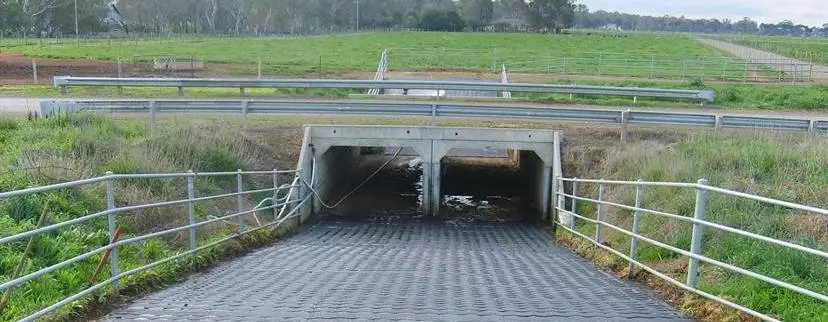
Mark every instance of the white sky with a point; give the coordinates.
(808, 12)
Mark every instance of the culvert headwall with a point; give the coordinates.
(427, 168)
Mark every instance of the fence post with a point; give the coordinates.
(34, 71)
(191, 217)
(240, 200)
(259, 67)
(636, 229)
(564, 65)
(696, 242)
(600, 59)
(275, 194)
(113, 227)
(574, 206)
(120, 74)
(625, 118)
(494, 62)
(652, 66)
(599, 217)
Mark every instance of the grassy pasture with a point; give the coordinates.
(410, 51)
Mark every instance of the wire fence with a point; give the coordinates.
(607, 64)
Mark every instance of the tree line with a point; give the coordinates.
(586, 19)
(268, 17)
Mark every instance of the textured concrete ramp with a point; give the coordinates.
(405, 270)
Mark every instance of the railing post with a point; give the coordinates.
(574, 201)
(636, 229)
(696, 242)
(812, 126)
(275, 194)
(113, 227)
(191, 217)
(240, 199)
(599, 217)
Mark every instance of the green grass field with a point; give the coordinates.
(410, 51)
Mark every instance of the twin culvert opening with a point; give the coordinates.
(431, 172)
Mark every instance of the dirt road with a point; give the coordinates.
(802, 70)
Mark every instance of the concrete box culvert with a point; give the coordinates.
(342, 157)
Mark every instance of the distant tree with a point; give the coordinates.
(436, 20)
(11, 17)
(477, 13)
(550, 15)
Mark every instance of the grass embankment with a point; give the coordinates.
(410, 51)
(791, 168)
(87, 145)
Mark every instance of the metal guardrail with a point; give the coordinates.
(63, 82)
(287, 202)
(566, 219)
(621, 118)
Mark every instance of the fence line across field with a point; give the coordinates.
(394, 109)
(567, 217)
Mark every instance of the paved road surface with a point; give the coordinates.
(771, 60)
(408, 270)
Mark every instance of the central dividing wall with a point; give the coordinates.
(331, 153)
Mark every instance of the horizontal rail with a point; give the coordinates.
(772, 201)
(700, 95)
(395, 109)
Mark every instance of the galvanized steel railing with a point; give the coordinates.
(63, 82)
(285, 207)
(566, 220)
(603, 116)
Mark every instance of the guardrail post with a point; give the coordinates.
(812, 127)
(191, 216)
(240, 199)
(152, 108)
(636, 229)
(719, 123)
(113, 227)
(180, 90)
(698, 230)
(244, 107)
(574, 207)
(599, 216)
(242, 92)
(625, 118)
(275, 194)
(434, 114)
